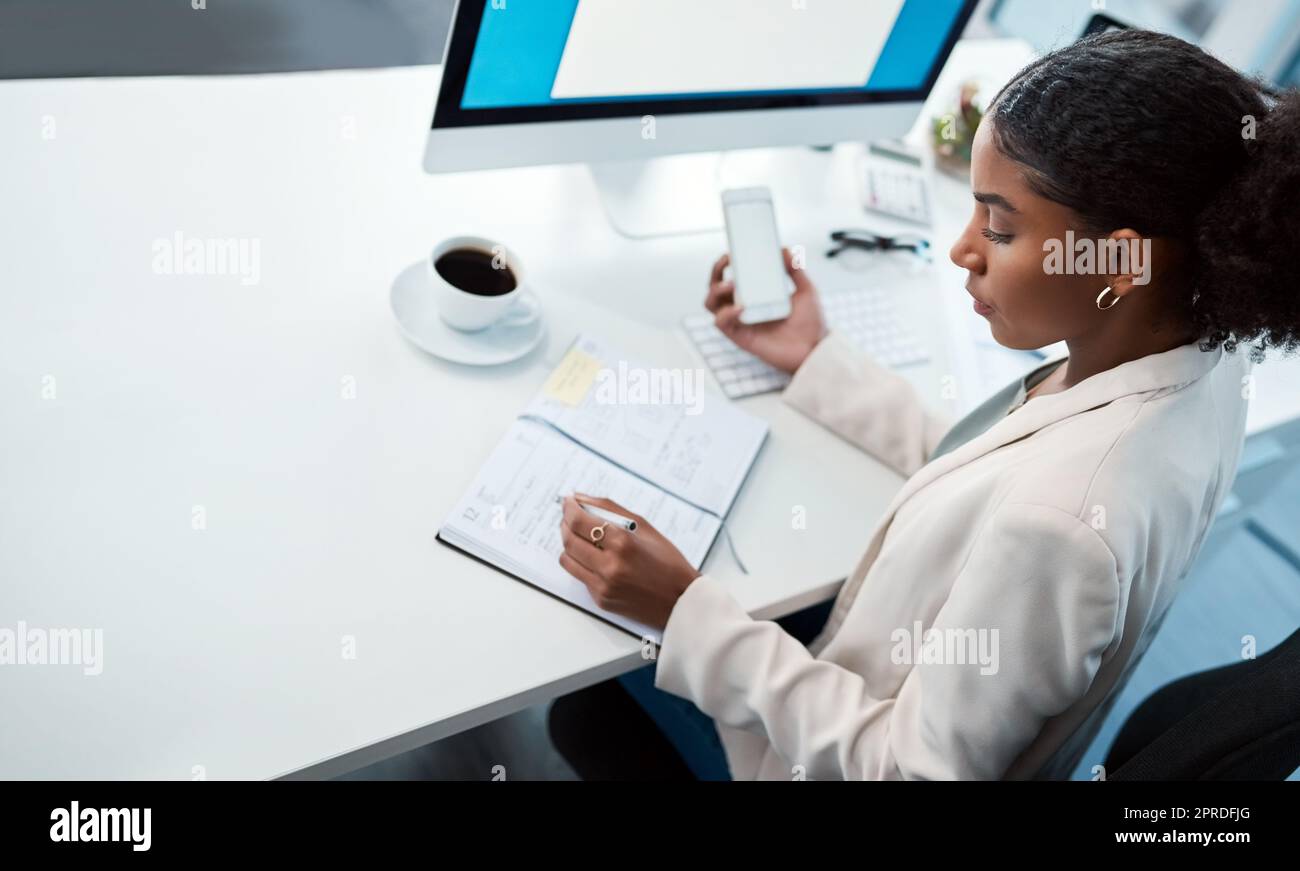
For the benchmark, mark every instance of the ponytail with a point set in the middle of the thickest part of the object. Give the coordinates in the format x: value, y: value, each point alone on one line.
x: 1248, y: 241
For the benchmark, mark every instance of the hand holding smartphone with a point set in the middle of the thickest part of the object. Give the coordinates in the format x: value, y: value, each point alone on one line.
x: 757, y: 266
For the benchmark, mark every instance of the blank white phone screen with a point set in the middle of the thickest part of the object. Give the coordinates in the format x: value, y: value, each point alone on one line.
x: 756, y: 263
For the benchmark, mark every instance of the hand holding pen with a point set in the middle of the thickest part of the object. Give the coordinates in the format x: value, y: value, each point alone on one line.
x: 639, y: 576
x: 604, y: 514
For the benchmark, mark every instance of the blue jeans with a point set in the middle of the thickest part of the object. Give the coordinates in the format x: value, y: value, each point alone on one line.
x: 690, y: 730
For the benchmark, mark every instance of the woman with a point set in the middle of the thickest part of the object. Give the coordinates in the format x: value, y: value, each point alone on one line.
x: 1053, y: 523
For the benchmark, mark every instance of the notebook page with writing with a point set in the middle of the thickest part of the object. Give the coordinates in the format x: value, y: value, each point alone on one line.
x: 509, y: 517
x: 659, y: 423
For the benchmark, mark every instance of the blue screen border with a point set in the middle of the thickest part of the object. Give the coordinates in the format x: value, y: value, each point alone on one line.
x: 464, y: 35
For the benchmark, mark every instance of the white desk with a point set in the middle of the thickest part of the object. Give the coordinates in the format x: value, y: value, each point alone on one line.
x: 224, y: 646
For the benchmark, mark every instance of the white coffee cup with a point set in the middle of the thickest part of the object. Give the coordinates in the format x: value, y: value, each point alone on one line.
x: 469, y: 311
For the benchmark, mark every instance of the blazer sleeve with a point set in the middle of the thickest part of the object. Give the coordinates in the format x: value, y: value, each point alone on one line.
x: 1040, y: 586
x: 849, y: 393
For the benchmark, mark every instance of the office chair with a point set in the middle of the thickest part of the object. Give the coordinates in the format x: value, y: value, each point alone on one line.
x: 1236, y: 722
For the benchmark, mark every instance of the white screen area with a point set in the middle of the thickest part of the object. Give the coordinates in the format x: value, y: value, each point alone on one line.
x: 756, y: 263
x: 618, y: 48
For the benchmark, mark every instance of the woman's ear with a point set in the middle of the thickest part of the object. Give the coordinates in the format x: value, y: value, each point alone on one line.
x: 1126, y: 258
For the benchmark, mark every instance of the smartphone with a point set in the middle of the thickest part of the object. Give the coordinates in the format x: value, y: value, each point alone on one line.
x: 762, y: 287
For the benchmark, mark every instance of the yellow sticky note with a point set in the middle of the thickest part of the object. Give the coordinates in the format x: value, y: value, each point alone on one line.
x: 572, y: 379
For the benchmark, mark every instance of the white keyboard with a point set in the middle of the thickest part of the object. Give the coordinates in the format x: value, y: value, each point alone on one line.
x: 865, y: 317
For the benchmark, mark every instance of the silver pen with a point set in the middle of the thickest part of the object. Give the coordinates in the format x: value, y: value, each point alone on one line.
x: 618, y: 519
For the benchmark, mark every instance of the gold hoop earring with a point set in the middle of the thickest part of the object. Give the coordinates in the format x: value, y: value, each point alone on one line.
x: 1104, y: 291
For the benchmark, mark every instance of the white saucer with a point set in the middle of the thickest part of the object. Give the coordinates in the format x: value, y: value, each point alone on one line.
x: 417, y: 317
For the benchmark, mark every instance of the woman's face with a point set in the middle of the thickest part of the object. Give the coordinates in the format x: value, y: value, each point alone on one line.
x: 1002, y: 249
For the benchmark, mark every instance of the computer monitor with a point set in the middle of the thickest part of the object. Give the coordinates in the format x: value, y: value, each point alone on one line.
x: 529, y: 82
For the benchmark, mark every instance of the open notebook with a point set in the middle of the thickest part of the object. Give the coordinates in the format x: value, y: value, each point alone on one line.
x: 593, y: 430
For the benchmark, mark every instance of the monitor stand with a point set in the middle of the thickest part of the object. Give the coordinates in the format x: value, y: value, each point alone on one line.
x: 663, y: 196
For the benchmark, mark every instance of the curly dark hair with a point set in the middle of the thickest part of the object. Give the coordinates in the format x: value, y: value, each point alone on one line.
x: 1143, y: 130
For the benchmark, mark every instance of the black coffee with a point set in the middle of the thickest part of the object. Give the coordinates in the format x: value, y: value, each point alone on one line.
x: 472, y: 271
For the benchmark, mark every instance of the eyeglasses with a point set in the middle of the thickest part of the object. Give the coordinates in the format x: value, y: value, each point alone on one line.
x: 864, y: 240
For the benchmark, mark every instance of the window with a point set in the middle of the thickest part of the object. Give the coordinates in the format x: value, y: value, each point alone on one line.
x: 1261, y: 37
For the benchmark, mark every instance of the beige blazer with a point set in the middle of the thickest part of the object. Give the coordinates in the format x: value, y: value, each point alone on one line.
x: 1004, y: 596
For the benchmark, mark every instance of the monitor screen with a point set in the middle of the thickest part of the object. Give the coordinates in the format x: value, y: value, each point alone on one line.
x: 513, y: 61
